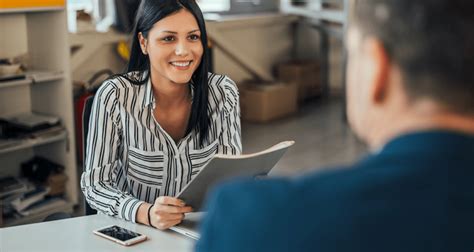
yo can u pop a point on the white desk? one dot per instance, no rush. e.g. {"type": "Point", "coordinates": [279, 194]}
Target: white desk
{"type": "Point", "coordinates": [75, 234]}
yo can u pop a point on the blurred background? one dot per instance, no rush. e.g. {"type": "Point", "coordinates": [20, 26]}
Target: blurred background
{"type": "Point", "coordinates": [286, 57]}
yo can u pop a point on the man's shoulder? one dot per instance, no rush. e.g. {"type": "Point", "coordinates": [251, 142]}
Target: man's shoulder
{"type": "Point", "coordinates": [335, 185]}
{"type": "Point", "coordinates": [273, 193]}
{"type": "Point", "coordinates": [253, 191]}
{"type": "Point", "coordinates": [269, 208]}
{"type": "Point", "coordinates": [383, 192]}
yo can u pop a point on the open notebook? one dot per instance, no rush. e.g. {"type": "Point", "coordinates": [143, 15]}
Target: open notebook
{"type": "Point", "coordinates": [225, 167]}
{"type": "Point", "coordinates": [221, 168]}
{"type": "Point", "coordinates": [190, 225]}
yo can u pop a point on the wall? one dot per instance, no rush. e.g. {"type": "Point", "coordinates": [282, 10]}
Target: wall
{"type": "Point", "coordinates": [267, 43]}
{"type": "Point", "coordinates": [336, 66]}
{"type": "Point", "coordinates": [104, 58]}
{"type": "Point", "coordinates": [96, 51]}
{"type": "Point", "coordinates": [262, 43]}
{"type": "Point", "coordinates": [263, 39]}
{"type": "Point", "coordinates": [14, 25]}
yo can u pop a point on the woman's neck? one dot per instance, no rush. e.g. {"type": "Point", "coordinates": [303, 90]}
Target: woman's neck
{"type": "Point", "coordinates": [168, 93]}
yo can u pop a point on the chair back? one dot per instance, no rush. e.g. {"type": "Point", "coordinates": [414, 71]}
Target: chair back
{"type": "Point", "coordinates": [85, 130]}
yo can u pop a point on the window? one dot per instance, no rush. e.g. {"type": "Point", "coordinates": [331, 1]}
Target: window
{"type": "Point", "coordinates": [102, 12]}
{"type": "Point", "coordinates": [214, 5]}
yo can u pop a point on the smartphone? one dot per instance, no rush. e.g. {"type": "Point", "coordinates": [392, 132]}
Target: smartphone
{"type": "Point", "coordinates": [120, 235]}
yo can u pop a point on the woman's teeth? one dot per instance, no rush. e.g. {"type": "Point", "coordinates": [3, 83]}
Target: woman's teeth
{"type": "Point", "coordinates": [181, 64]}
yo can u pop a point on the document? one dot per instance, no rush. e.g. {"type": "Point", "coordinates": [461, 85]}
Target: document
{"type": "Point", "coordinates": [225, 167]}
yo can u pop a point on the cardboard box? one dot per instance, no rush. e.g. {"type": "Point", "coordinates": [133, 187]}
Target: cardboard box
{"type": "Point", "coordinates": [262, 102]}
{"type": "Point", "coordinates": [57, 184]}
{"type": "Point", "coordinates": [305, 74]}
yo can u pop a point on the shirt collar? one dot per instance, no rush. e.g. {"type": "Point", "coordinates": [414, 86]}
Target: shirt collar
{"type": "Point", "coordinates": [150, 97]}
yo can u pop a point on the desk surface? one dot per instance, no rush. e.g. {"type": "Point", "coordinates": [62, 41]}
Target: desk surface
{"type": "Point", "coordinates": [75, 234]}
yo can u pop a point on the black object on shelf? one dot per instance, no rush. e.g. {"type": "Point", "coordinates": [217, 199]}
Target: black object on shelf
{"type": "Point", "coordinates": [11, 185]}
{"type": "Point", "coordinates": [11, 77]}
{"type": "Point", "coordinates": [38, 169]}
{"type": "Point", "coordinates": [3, 128]}
{"type": "Point", "coordinates": [25, 125]}
{"type": "Point", "coordinates": [30, 123]}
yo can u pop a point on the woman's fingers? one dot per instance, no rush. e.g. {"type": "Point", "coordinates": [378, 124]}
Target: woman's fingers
{"type": "Point", "coordinates": [169, 217]}
{"type": "Point", "coordinates": [171, 205]}
{"type": "Point", "coordinates": [162, 220]}
{"type": "Point", "coordinates": [168, 212]}
{"type": "Point", "coordinates": [173, 209]}
{"type": "Point", "coordinates": [166, 200]}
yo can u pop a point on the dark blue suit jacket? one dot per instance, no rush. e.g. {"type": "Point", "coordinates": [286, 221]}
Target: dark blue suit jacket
{"type": "Point", "coordinates": [416, 194]}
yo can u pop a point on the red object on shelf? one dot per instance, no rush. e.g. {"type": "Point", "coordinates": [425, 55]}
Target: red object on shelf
{"type": "Point", "coordinates": [79, 109]}
{"type": "Point", "coordinates": [91, 87]}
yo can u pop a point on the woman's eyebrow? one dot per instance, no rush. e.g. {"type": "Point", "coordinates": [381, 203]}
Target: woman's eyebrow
{"type": "Point", "coordinates": [193, 31]}
{"type": "Point", "coordinates": [173, 32]}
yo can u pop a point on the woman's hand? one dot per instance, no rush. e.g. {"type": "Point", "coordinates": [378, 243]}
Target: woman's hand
{"type": "Point", "coordinates": [167, 212]}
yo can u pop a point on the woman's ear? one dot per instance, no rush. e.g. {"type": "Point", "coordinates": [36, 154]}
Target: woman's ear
{"type": "Point", "coordinates": [143, 43]}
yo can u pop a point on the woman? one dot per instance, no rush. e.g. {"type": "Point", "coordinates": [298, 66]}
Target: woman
{"type": "Point", "coordinates": [152, 129]}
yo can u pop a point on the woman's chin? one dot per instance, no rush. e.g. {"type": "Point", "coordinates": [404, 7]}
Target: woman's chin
{"type": "Point", "coordinates": [181, 80]}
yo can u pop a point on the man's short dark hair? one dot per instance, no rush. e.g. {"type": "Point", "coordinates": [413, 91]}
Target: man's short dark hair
{"type": "Point", "coordinates": [432, 41]}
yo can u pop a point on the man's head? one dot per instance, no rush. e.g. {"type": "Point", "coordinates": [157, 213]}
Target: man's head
{"type": "Point", "coordinates": [408, 55]}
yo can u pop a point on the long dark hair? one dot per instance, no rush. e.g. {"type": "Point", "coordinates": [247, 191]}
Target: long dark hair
{"type": "Point", "coordinates": [150, 12]}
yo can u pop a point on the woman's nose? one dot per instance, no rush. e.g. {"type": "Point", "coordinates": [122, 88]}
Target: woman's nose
{"type": "Point", "coordinates": [181, 49]}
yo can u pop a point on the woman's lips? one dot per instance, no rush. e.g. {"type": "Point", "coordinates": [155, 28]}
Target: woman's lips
{"type": "Point", "coordinates": [181, 65]}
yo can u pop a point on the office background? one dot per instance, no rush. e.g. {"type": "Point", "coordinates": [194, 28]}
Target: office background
{"type": "Point", "coordinates": [286, 57]}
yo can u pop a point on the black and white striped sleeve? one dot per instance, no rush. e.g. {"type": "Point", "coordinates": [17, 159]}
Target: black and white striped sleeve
{"type": "Point", "coordinates": [230, 138]}
{"type": "Point", "coordinates": [98, 182]}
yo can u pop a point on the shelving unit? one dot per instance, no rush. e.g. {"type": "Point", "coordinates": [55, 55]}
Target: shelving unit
{"type": "Point", "coordinates": [329, 22]}
{"type": "Point", "coordinates": [34, 77]}
{"type": "Point", "coordinates": [41, 32]}
{"type": "Point", "coordinates": [14, 83]}
{"type": "Point", "coordinates": [18, 145]}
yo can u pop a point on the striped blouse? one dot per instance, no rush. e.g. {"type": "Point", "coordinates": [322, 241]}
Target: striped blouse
{"type": "Point", "coordinates": [130, 159]}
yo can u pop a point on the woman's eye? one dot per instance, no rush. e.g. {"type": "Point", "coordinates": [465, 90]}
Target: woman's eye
{"type": "Point", "coordinates": [168, 39]}
{"type": "Point", "coordinates": [194, 37]}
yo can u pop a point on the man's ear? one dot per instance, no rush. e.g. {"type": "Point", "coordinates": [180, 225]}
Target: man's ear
{"type": "Point", "coordinates": [380, 63]}
{"type": "Point", "coordinates": [143, 43]}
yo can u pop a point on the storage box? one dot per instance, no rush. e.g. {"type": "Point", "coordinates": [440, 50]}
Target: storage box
{"type": "Point", "coordinates": [57, 184]}
{"type": "Point", "coordinates": [262, 102]}
{"type": "Point", "coordinates": [305, 74]}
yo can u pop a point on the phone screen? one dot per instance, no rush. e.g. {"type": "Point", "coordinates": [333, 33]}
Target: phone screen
{"type": "Point", "coordinates": [119, 233]}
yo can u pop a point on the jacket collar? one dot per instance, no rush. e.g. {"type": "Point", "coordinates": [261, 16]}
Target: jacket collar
{"type": "Point", "coordinates": [430, 141]}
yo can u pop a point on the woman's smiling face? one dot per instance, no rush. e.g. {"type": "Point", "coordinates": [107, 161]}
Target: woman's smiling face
{"type": "Point", "coordinates": [174, 47]}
